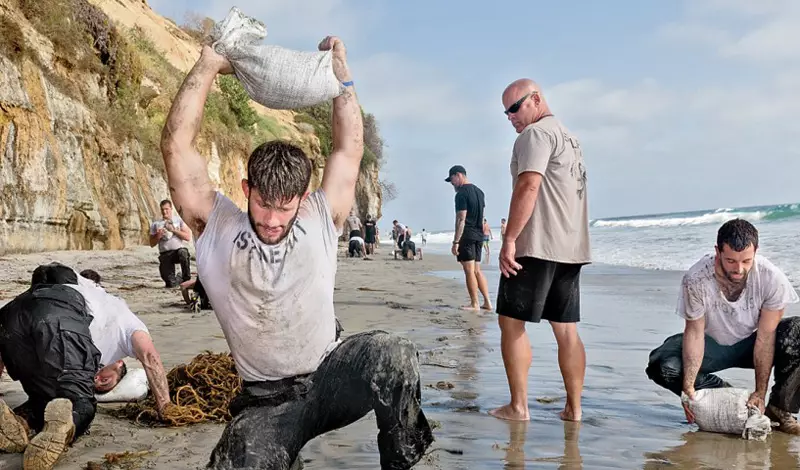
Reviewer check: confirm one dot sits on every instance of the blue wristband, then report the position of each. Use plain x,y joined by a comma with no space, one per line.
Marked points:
350,83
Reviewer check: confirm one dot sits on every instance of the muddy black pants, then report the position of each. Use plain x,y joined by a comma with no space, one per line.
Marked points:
666,364
166,266
368,371
83,411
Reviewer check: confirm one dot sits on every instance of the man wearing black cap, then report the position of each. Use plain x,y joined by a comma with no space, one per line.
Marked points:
468,239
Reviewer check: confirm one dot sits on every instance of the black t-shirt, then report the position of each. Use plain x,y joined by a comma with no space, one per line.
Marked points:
369,229
470,198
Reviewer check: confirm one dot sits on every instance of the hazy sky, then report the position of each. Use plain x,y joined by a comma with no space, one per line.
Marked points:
678,105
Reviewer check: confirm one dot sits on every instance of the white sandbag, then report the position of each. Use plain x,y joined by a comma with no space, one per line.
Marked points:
721,410
132,387
274,76
725,410
757,427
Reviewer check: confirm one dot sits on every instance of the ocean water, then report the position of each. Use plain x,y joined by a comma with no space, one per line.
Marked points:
676,240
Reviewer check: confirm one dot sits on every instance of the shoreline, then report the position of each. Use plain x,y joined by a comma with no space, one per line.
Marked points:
628,421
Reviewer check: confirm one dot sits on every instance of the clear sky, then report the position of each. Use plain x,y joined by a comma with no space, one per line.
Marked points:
679,105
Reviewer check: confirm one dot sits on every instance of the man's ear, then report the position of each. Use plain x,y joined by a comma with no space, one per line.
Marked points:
246,189
304,196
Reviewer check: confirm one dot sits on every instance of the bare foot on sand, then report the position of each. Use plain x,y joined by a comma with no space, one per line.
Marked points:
472,308
569,415
486,306
510,413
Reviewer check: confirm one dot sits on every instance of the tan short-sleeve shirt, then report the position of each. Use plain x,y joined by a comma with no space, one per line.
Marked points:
558,230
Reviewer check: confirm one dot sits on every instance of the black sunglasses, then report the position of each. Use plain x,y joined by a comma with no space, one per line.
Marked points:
515,107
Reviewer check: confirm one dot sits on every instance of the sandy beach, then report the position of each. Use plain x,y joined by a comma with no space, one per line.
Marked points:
628,421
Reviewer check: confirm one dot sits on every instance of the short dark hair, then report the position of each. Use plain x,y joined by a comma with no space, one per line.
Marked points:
394,221
165,202
737,234
279,171
53,273
91,274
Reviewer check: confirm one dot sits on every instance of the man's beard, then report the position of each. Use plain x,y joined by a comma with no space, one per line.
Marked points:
285,233
739,281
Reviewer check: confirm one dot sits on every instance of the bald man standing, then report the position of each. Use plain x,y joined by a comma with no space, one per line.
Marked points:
546,242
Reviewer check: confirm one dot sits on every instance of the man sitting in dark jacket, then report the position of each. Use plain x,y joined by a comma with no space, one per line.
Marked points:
46,345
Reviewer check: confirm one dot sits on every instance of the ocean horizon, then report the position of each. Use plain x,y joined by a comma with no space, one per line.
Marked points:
670,241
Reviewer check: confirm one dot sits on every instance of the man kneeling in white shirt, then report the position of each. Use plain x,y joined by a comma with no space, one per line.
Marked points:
733,304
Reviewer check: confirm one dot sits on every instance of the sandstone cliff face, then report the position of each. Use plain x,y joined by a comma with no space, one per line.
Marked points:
68,182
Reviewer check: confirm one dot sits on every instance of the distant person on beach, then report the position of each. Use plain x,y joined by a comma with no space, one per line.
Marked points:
400,233
273,269
733,304
92,275
370,235
545,244
468,237
487,237
170,233
356,246
423,237
353,224
502,228
50,342
410,251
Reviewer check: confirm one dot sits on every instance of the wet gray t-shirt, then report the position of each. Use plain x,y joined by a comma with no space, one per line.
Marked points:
273,302
558,229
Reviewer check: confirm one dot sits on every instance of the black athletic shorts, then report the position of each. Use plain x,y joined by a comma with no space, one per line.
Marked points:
541,290
470,251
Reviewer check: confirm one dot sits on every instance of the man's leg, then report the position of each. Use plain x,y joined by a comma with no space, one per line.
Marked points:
472,284
515,347
784,401
185,260
665,366
367,371
572,362
166,268
562,309
483,286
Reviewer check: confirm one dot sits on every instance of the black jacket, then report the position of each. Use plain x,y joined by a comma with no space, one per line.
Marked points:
45,343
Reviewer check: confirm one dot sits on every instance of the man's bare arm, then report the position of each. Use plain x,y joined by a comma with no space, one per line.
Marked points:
154,238
694,344
523,200
764,351
185,233
461,220
156,376
342,167
187,171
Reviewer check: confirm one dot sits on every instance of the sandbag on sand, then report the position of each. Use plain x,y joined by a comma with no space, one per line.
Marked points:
274,76
724,410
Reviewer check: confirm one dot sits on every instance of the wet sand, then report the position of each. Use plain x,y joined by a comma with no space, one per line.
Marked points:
629,422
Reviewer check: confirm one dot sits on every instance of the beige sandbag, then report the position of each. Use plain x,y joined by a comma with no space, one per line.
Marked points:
724,410
274,76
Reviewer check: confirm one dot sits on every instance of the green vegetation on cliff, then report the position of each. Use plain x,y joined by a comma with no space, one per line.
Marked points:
86,41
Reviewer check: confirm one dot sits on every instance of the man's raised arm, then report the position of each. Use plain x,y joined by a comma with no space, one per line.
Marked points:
187,171
341,170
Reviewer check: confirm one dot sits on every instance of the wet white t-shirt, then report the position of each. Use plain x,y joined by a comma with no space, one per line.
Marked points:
728,322
273,302
113,325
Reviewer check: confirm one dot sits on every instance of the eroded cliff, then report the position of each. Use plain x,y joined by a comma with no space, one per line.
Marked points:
84,90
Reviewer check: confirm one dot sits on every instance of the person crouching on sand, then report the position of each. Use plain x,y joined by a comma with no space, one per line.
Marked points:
733,303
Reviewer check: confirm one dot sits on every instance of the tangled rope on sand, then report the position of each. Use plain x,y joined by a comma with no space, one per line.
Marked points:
200,391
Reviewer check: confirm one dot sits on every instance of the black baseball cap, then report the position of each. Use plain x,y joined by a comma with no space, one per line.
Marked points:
454,170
